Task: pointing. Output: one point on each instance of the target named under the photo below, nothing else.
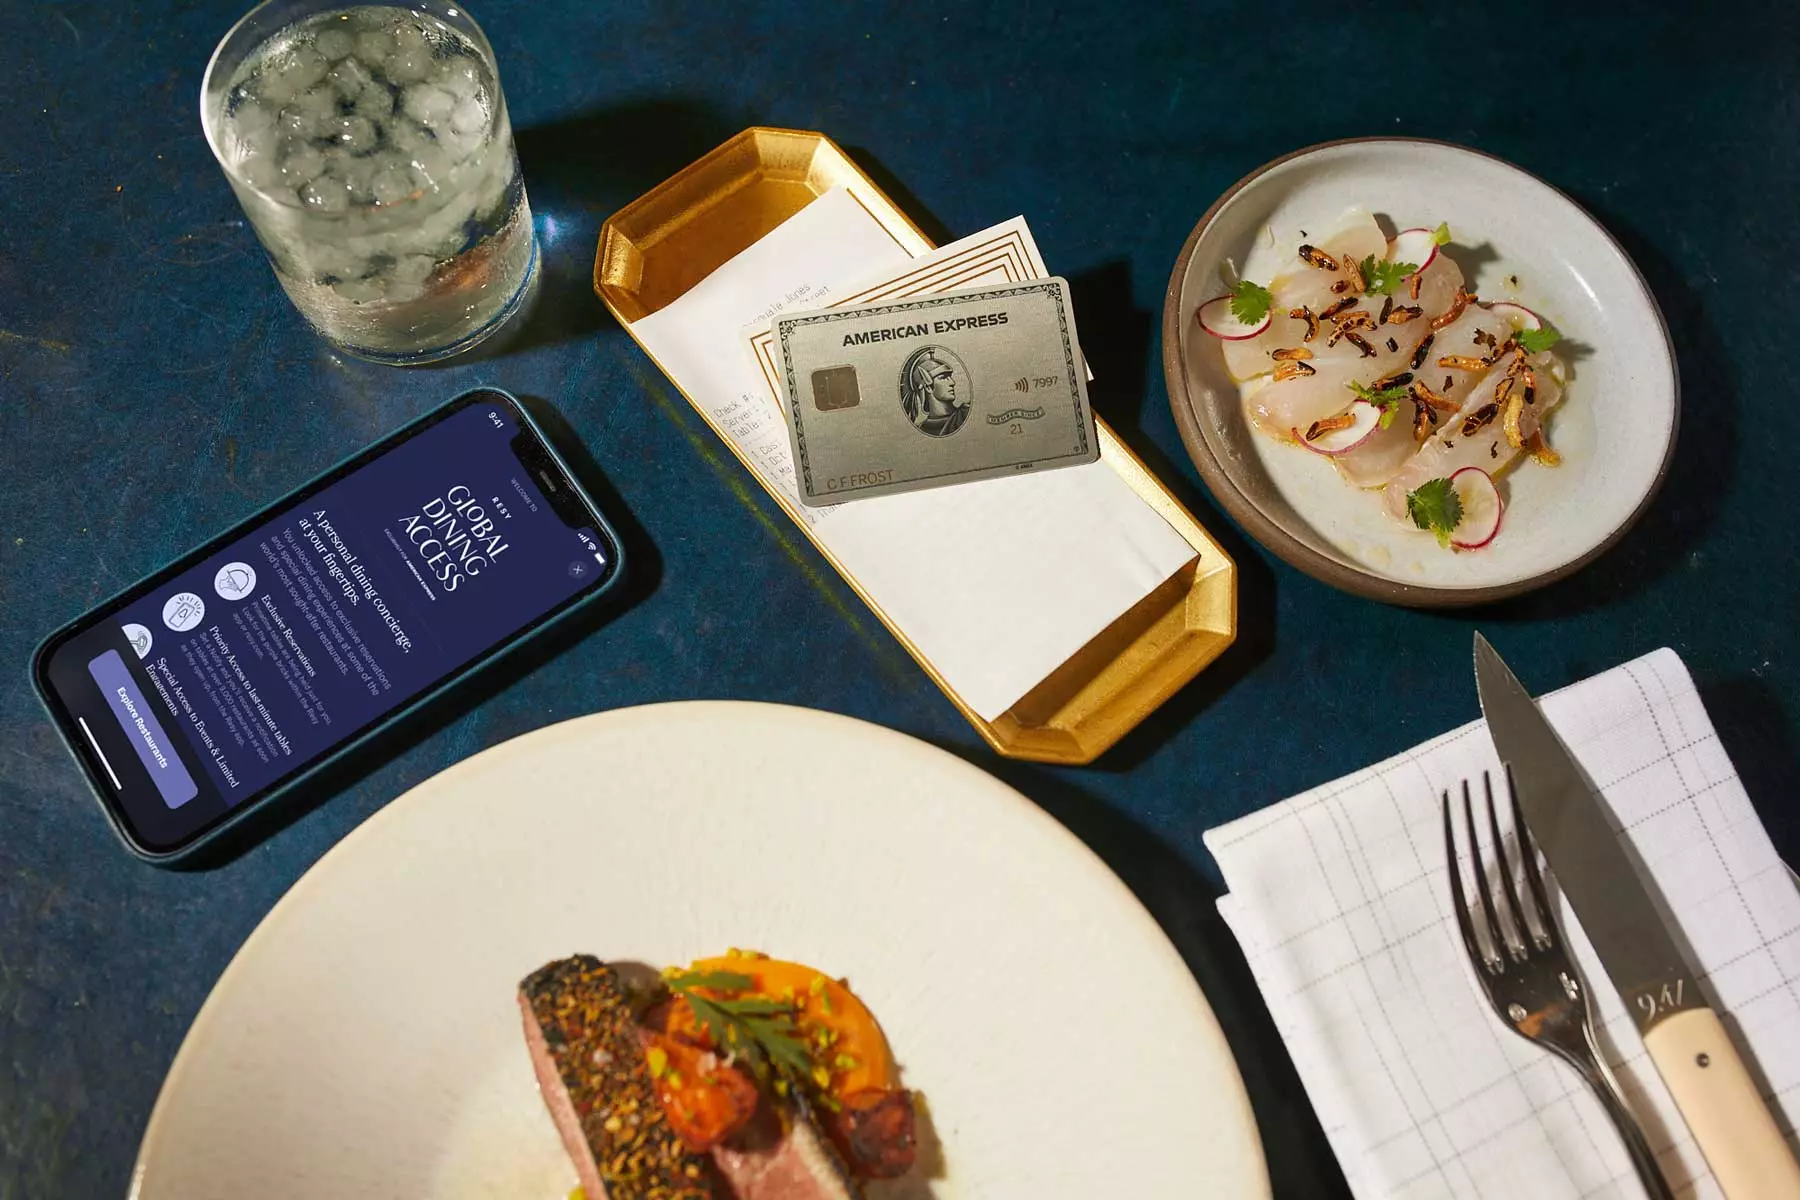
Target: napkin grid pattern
(1340, 899)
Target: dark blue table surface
(158, 386)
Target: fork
(1529, 978)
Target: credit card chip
(834, 388)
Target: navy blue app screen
(338, 610)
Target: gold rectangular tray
(660, 245)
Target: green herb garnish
(1250, 302)
(758, 1029)
(1381, 399)
(1441, 235)
(718, 981)
(1533, 340)
(1385, 278)
(1387, 400)
(1435, 507)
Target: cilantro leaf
(1441, 235)
(1382, 398)
(1385, 278)
(1434, 506)
(1250, 302)
(1387, 399)
(1533, 340)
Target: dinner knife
(1690, 1048)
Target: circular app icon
(138, 636)
(183, 611)
(234, 581)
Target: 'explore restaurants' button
(145, 732)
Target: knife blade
(1577, 836)
(1684, 1037)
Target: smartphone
(235, 674)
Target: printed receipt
(997, 583)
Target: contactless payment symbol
(234, 581)
(138, 636)
(183, 611)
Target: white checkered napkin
(1340, 899)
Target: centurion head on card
(919, 393)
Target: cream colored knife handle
(1730, 1122)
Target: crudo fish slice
(1364, 422)
(1457, 341)
(1375, 460)
(1451, 449)
(1355, 237)
(1438, 286)
(1249, 357)
(1291, 404)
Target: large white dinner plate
(365, 1041)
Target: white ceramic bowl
(1516, 238)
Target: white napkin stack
(1341, 901)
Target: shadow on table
(1116, 337)
(903, 197)
(1689, 503)
(1759, 737)
(1300, 1160)
(581, 170)
(643, 571)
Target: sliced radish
(1481, 508)
(1365, 419)
(1416, 246)
(1217, 319)
(1517, 315)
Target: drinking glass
(370, 148)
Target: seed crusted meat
(591, 1070)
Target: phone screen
(241, 665)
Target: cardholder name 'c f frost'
(935, 390)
